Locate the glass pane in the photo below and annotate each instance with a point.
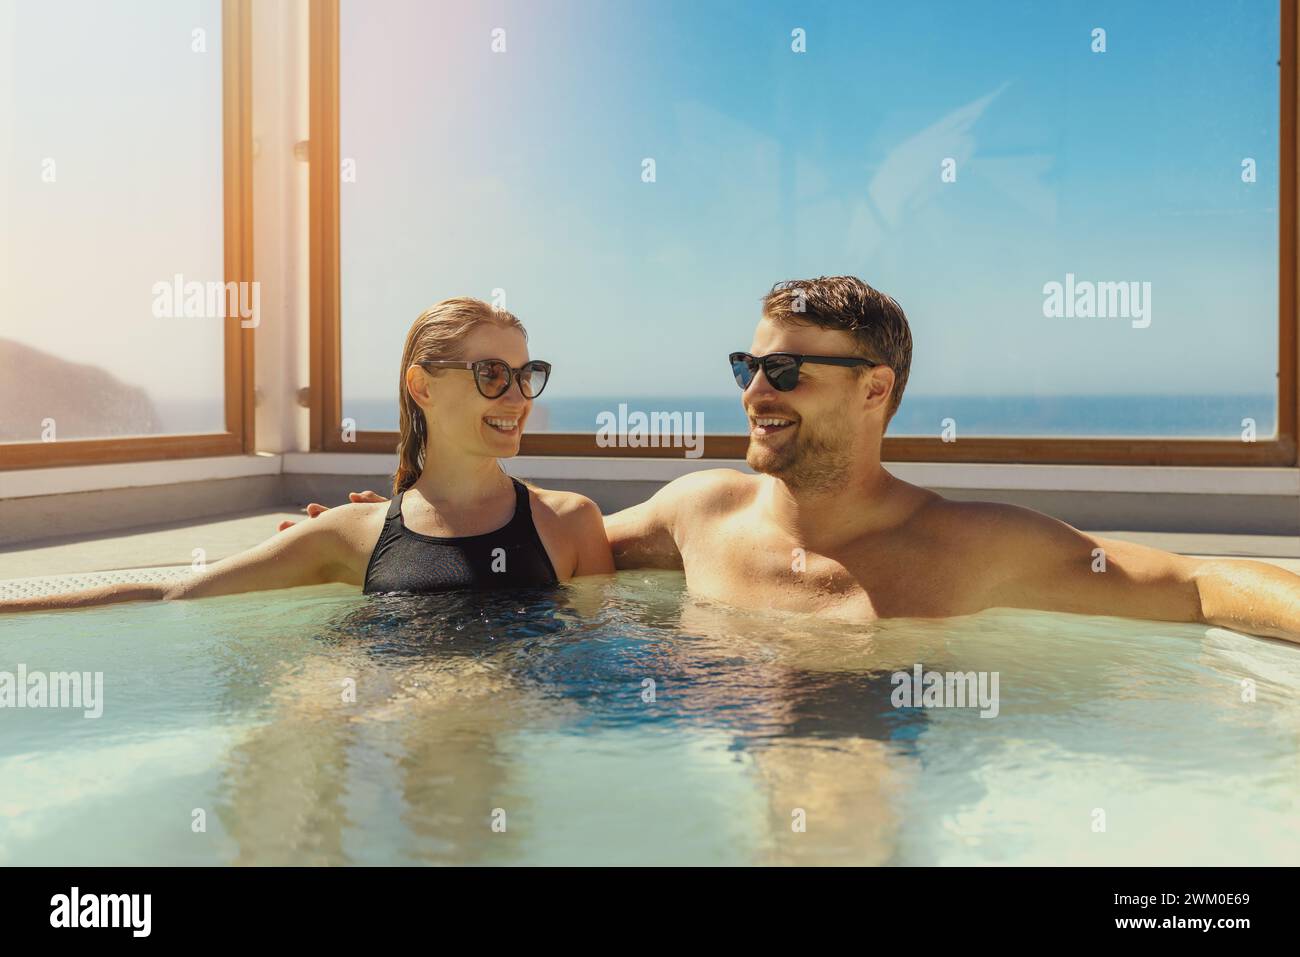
(111, 139)
(962, 157)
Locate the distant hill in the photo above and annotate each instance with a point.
(85, 401)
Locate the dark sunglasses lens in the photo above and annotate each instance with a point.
(493, 378)
(534, 379)
(742, 367)
(782, 372)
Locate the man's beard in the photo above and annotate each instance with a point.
(811, 463)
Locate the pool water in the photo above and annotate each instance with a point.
(620, 720)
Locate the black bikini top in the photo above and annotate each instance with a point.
(511, 557)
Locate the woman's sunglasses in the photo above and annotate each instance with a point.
(782, 368)
(492, 376)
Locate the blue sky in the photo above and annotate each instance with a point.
(521, 170)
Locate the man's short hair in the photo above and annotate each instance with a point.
(847, 303)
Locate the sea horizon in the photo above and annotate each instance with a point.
(1203, 416)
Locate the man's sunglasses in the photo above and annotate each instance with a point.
(782, 368)
(492, 376)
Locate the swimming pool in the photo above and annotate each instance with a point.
(619, 720)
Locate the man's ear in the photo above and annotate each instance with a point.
(878, 386)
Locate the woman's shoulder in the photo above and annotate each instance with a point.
(564, 506)
(572, 529)
(357, 523)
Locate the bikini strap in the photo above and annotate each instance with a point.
(523, 509)
(395, 507)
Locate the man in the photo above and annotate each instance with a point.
(824, 528)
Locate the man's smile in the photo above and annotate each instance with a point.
(766, 425)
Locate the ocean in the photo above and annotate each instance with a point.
(1164, 416)
(1169, 416)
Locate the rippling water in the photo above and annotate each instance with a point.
(620, 720)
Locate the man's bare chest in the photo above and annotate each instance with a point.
(888, 576)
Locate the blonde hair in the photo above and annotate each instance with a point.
(437, 335)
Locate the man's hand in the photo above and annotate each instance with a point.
(315, 509)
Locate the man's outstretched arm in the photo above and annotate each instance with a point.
(1254, 597)
(1045, 564)
(642, 536)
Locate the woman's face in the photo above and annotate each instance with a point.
(459, 416)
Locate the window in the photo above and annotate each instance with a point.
(125, 209)
(1082, 207)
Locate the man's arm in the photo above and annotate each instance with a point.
(1255, 597)
(651, 535)
(642, 536)
(1046, 564)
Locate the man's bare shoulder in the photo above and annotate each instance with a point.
(711, 490)
(990, 524)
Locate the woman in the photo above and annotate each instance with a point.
(456, 520)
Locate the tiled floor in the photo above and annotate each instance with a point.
(175, 544)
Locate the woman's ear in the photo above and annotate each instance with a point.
(417, 384)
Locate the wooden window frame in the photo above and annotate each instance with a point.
(326, 391)
(237, 199)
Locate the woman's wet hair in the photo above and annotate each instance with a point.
(437, 335)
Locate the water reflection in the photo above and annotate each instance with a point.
(445, 685)
(326, 727)
(622, 719)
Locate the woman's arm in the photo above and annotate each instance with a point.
(573, 532)
(333, 548)
(305, 555)
(587, 526)
(103, 595)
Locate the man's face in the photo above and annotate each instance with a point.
(820, 421)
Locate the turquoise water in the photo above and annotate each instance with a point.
(517, 729)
